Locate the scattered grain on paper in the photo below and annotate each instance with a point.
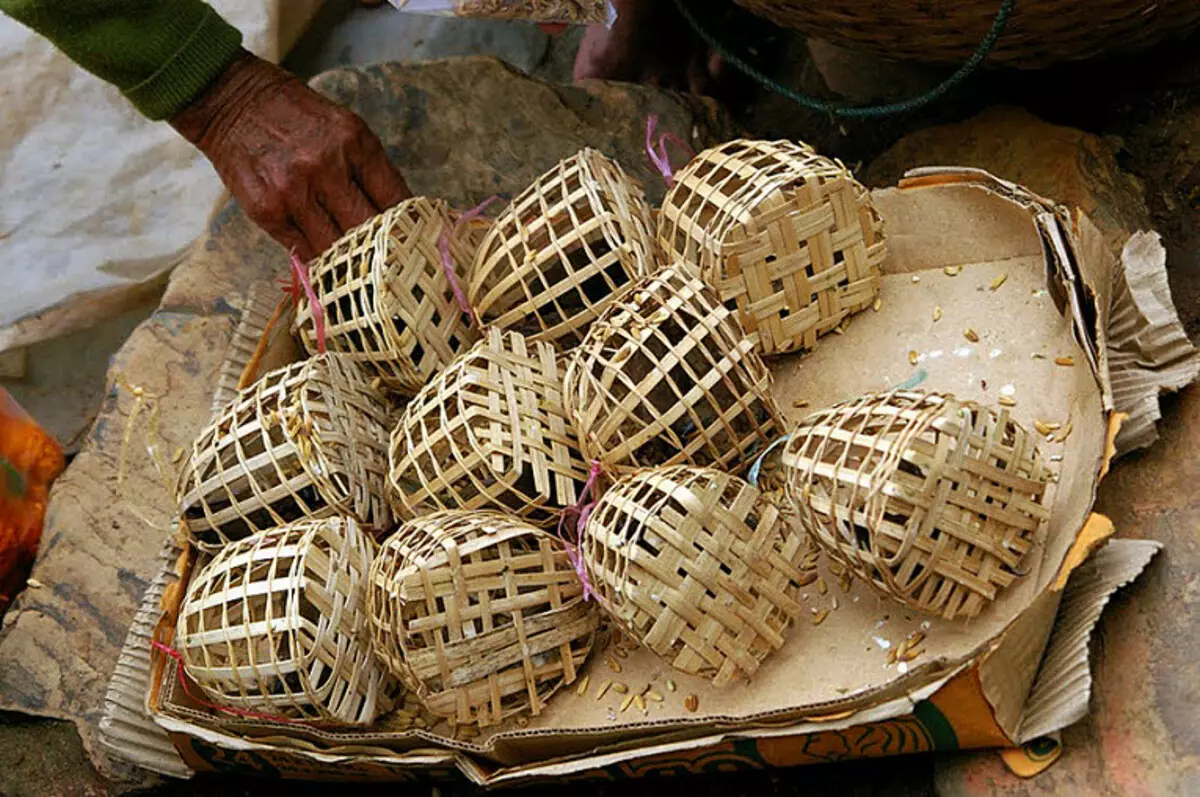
(1006, 401)
(670, 685)
(916, 278)
(891, 657)
(996, 283)
(877, 305)
(620, 688)
(614, 665)
(33, 583)
(655, 696)
(1066, 362)
(913, 357)
(583, 685)
(937, 314)
(1062, 436)
(952, 271)
(971, 335)
(640, 702)
(800, 404)
(178, 455)
(1046, 429)
(691, 703)
(627, 702)
(911, 653)
(1037, 355)
(821, 587)
(620, 652)
(603, 689)
(1056, 457)
(820, 617)
(834, 603)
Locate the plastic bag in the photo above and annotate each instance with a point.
(545, 11)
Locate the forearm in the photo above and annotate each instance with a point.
(160, 53)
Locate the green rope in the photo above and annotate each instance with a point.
(972, 63)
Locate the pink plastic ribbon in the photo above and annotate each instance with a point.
(657, 150)
(300, 282)
(448, 261)
(582, 511)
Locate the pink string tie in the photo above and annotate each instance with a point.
(448, 261)
(657, 150)
(300, 282)
(573, 538)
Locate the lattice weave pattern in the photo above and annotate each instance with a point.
(563, 250)
(388, 303)
(490, 431)
(480, 614)
(786, 236)
(305, 441)
(696, 566)
(932, 500)
(666, 376)
(278, 624)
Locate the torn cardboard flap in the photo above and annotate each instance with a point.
(836, 674)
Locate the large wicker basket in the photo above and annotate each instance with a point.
(697, 567)
(931, 500)
(1039, 33)
(480, 614)
(563, 250)
(785, 235)
(308, 440)
(278, 625)
(387, 300)
(667, 376)
(490, 432)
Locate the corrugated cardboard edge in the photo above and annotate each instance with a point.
(1064, 683)
(1149, 352)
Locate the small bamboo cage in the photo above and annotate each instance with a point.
(480, 614)
(694, 564)
(490, 432)
(667, 376)
(278, 625)
(932, 500)
(563, 250)
(388, 304)
(786, 236)
(305, 441)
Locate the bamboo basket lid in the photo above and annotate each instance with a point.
(388, 304)
(666, 376)
(931, 500)
(277, 624)
(307, 440)
(563, 250)
(785, 235)
(490, 432)
(480, 614)
(698, 567)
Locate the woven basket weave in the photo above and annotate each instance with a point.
(933, 501)
(490, 432)
(696, 566)
(480, 614)
(667, 377)
(786, 236)
(1039, 33)
(563, 250)
(387, 302)
(308, 440)
(278, 624)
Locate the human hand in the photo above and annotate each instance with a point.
(304, 169)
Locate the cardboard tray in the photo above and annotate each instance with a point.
(977, 685)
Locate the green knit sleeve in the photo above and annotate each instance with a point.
(160, 53)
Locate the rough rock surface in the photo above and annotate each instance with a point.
(460, 129)
(1061, 163)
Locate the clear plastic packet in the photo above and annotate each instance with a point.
(588, 12)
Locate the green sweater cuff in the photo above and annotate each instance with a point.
(204, 53)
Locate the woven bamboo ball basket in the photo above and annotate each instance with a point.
(480, 614)
(278, 625)
(388, 304)
(490, 432)
(667, 377)
(305, 441)
(932, 500)
(1039, 33)
(563, 250)
(785, 235)
(694, 564)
